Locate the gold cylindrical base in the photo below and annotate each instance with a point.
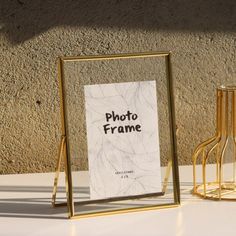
(228, 191)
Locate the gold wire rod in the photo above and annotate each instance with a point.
(219, 112)
(67, 161)
(172, 134)
(129, 210)
(167, 175)
(57, 172)
(217, 162)
(220, 166)
(196, 154)
(234, 115)
(116, 56)
(218, 140)
(225, 115)
(234, 132)
(207, 155)
(203, 169)
(199, 147)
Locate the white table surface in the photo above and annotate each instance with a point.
(25, 210)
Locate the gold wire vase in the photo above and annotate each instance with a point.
(219, 150)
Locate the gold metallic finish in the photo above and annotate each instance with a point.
(218, 147)
(162, 206)
(67, 162)
(57, 172)
(64, 146)
(116, 56)
(167, 175)
(172, 123)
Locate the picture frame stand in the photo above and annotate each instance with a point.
(57, 173)
(167, 197)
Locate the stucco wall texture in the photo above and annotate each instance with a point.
(201, 35)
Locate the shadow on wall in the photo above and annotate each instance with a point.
(21, 20)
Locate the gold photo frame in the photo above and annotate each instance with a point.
(74, 73)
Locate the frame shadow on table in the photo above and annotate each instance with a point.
(35, 201)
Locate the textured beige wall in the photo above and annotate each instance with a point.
(33, 34)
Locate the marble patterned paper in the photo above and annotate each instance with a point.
(122, 139)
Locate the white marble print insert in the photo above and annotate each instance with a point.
(122, 138)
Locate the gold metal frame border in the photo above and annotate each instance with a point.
(63, 151)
